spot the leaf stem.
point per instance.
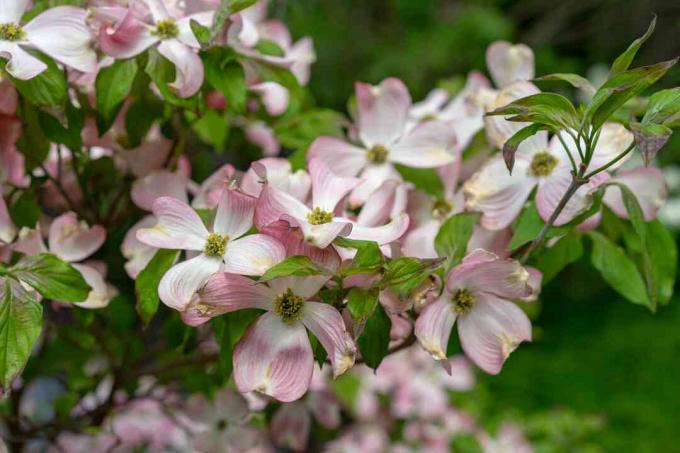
(610, 163)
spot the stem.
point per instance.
(610, 163)
(566, 149)
(576, 182)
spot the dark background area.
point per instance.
(594, 352)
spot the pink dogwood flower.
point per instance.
(274, 356)
(319, 224)
(126, 32)
(385, 139)
(500, 195)
(475, 295)
(226, 247)
(60, 32)
(73, 241)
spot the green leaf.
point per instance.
(225, 73)
(112, 86)
(650, 267)
(650, 138)
(374, 339)
(453, 237)
(405, 274)
(361, 303)
(624, 60)
(47, 89)
(510, 146)
(25, 211)
(663, 256)
(620, 88)
(213, 129)
(368, 256)
(146, 284)
(618, 270)
(33, 144)
(425, 179)
(201, 32)
(299, 131)
(52, 277)
(139, 119)
(664, 108)
(566, 251)
(549, 109)
(69, 134)
(574, 80)
(20, 326)
(222, 332)
(298, 265)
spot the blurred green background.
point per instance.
(594, 352)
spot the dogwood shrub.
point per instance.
(195, 256)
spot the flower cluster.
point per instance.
(162, 151)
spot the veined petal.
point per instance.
(433, 327)
(328, 188)
(372, 177)
(322, 235)
(126, 36)
(290, 426)
(179, 285)
(614, 139)
(430, 144)
(72, 240)
(188, 67)
(20, 63)
(260, 134)
(341, 157)
(224, 293)
(7, 229)
(328, 327)
(305, 287)
(485, 272)
(294, 242)
(508, 63)
(302, 54)
(160, 183)
(382, 111)
(419, 242)
(497, 194)
(274, 96)
(12, 10)
(552, 189)
(379, 206)
(274, 358)
(178, 227)
(647, 183)
(30, 241)
(431, 105)
(274, 203)
(253, 254)
(63, 34)
(136, 252)
(157, 9)
(491, 331)
(383, 234)
(101, 292)
(235, 212)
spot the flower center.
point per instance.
(11, 32)
(377, 154)
(463, 301)
(543, 164)
(318, 216)
(288, 305)
(166, 29)
(215, 245)
(441, 208)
